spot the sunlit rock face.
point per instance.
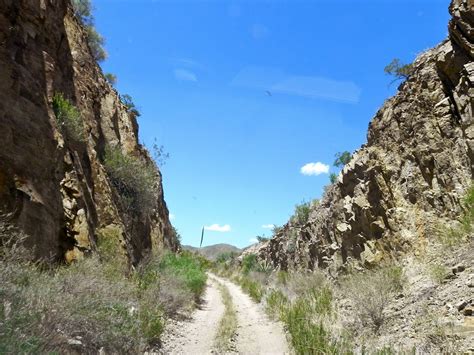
(55, 190)
(408, 178)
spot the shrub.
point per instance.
(83, 11)
(308, 336)
(468, 215)
(186, 268)
(333, 178)
(133, 179)
(249, 263)
(96, 44)
(438, 272)
(252, 288)
(68, 117)
(226, 257)
(370, 293)
(275, 303)
(111, 78)
(342, 159)
(301, 213)
(129, 104)
(276, 229)
(159, 153)
(398, 70)
(262, 239)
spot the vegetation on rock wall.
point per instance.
(132, 178)
(68, 117)
(83, 11)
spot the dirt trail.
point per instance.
(256, 333)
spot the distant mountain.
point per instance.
(213, 251)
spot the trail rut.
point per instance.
(256, 333)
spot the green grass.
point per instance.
(187, 268)
(251, 287)
(276, 303)
(42, 307)
(308, 333)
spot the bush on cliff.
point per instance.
(398, 70)
(68, 117)
(83, 11)
(133, 179)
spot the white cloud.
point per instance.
(218, 228)
(315, 169)
(313, 87)
(253, 240)
(172, 216)
(184, 75)
(316, 87)
(268, 226)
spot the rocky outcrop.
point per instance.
(54, 189)
(409, 176)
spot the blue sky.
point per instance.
(199, 71)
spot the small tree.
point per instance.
(398, 70)
(333, 178)
(83, 11)
(130, 105)
(96, 44)
(159, 154)
(111, 78)
(342, 159)
(262, 238)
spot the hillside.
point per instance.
(408, 179)
(55, 185)
(211, 252)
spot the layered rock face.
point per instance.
(55, 190)
(411, 174)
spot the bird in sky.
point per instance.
(268, 93)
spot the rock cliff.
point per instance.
(54, 189)
(410, 175)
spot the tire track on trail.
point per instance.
(256, 333)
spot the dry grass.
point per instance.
(85, 306)
(370, 293)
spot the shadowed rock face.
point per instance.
(409, 176)
(55, 190)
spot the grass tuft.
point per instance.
(228, 323)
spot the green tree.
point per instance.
(111, 78)
(342, 159)
(96, 44)
(398, 70)
(261, 238)
(83, 11)
(130, 105)
(333, 178)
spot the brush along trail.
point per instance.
(255, 333)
